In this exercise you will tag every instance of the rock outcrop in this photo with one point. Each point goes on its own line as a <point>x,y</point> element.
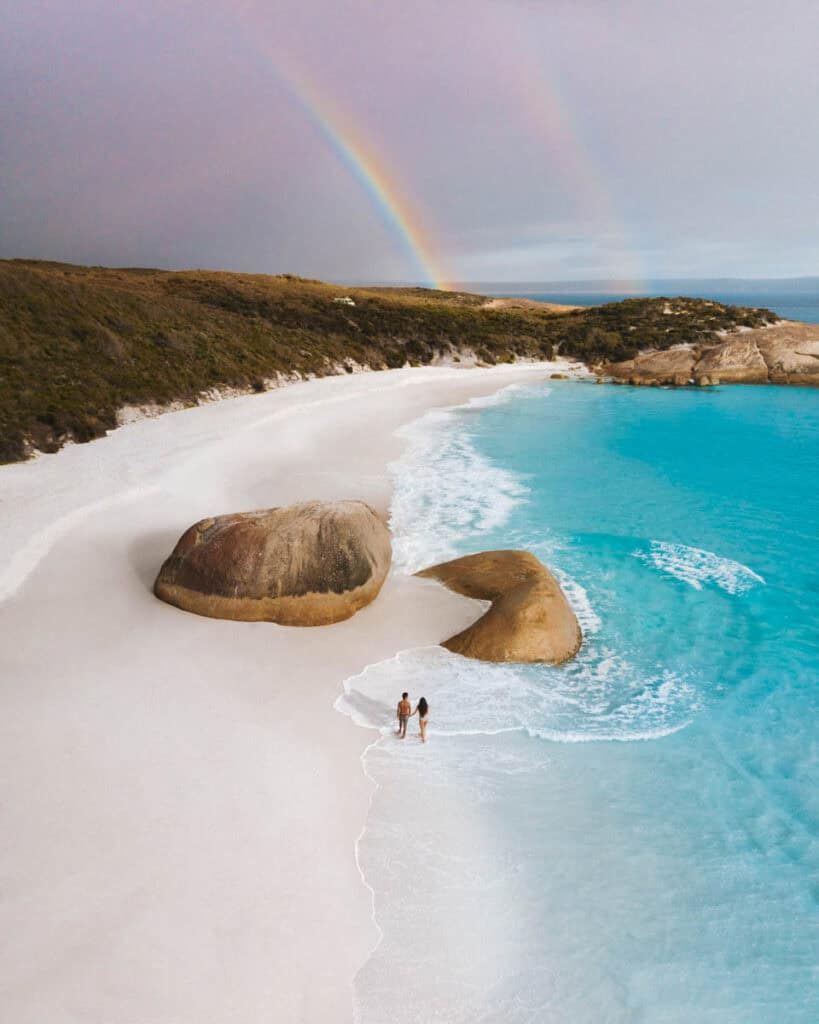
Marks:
<point>303,565</point>
<point>791,352</point>
<point>671,366</point>
<point>736,361</point>
<point>784,353</point>
<point>529,620</point>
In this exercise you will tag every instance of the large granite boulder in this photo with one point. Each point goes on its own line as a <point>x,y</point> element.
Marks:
<point>737,360</point>
<point>529,619</point>
<point>302,565</point>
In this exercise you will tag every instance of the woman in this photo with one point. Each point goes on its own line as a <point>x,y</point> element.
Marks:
<point>423,711</point>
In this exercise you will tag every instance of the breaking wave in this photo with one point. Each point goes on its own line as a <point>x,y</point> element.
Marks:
<point>698,567</point>
<point>600,696</point>
<point>445,491</point>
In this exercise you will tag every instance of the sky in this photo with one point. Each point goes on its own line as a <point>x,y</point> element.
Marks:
<point>437,142</point>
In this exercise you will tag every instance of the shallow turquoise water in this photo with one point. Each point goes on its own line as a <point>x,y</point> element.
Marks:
<point>633,836</point>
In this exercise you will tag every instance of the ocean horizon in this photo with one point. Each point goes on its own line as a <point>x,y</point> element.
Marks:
<point>633,835</point>
<point>791,299</point>
<point>794,298</point>
<point>269,361</point>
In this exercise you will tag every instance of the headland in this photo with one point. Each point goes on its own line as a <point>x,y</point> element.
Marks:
<point>85,349</point>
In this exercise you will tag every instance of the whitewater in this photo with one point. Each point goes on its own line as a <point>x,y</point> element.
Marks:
<point>633,836</point>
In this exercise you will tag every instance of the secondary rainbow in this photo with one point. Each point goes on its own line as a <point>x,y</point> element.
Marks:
<point>548,115</point>
<point>545,115</point>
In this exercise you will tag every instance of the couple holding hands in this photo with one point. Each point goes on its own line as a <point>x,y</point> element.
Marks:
<point>404,714</point>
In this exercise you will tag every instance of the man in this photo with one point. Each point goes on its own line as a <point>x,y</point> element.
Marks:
<point>403,711</point>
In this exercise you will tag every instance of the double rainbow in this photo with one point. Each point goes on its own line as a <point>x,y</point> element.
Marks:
<point>545,115</point>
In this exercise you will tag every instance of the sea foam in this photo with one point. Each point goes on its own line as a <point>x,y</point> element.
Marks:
<point>526,862</point>
<point>444,490</point>
<point>600,696</point>
<point>697,567</point>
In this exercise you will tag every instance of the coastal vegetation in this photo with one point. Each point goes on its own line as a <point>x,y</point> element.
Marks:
<point>77,344</point>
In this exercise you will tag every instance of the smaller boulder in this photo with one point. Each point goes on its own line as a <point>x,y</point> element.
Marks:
<point>529,620</point>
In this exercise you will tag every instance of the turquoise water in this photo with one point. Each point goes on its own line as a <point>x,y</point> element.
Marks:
<point>633,836</point>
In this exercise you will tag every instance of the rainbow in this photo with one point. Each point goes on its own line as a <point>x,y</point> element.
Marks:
<point>544,115</point>
<point>547,116</point>
<point>402,219</point>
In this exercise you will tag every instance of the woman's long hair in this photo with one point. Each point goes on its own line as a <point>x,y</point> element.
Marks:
<point>423,707</point>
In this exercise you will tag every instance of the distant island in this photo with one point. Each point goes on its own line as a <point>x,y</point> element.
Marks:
<point>78,345</point>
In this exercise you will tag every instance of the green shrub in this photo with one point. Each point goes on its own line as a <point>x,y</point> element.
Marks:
<point>77,343</point>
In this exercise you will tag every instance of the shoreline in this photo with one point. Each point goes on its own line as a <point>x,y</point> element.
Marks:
<point>485,858</point>
<point>185,808</point>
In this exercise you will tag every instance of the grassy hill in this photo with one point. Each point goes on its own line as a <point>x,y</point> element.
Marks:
<point>78,343</point>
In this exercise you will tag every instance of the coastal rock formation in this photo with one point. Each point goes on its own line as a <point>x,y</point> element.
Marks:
<point>672,366</point>
<point>736,361</point>
<point>784,353</point>
<point>791,352</point>
<point>529,620</point>
<point>302,565</point>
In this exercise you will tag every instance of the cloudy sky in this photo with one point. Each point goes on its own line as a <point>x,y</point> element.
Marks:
<point>492,140</point>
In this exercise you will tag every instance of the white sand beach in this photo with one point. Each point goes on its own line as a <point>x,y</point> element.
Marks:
<point>180,801</point>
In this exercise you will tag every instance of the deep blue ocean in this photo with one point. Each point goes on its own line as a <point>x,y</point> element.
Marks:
<point>790,305</point>
<point>632,837</point>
